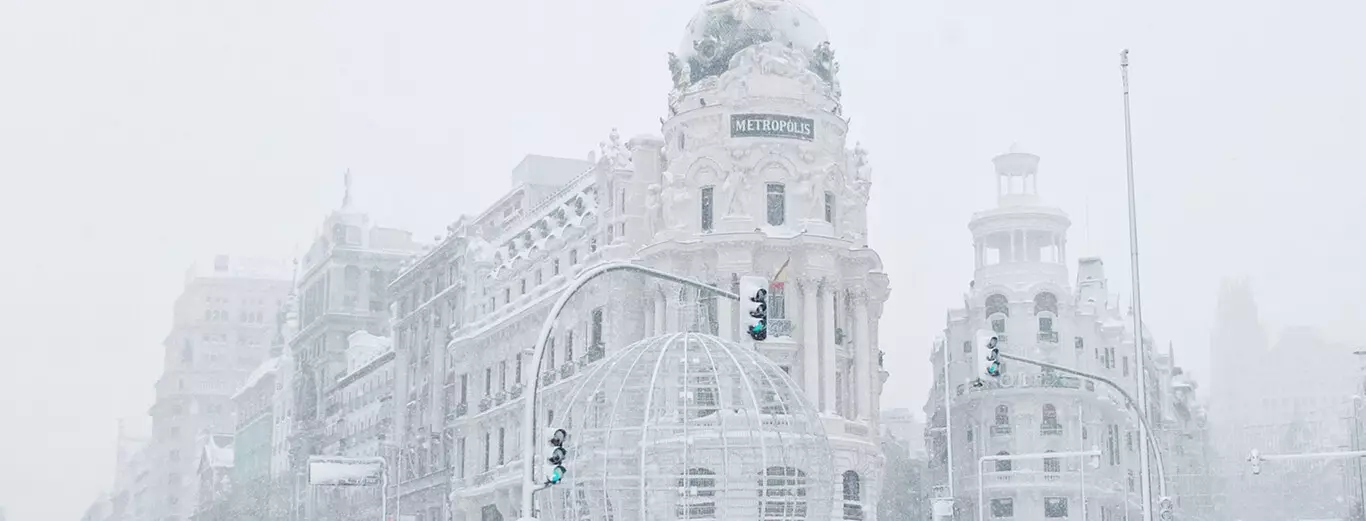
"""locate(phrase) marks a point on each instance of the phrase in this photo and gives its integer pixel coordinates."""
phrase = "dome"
(690, 426)
(722, 28)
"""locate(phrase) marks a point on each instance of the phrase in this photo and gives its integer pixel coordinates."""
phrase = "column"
(863, 356)
(828, 364)
(810, 342)
(661, 310)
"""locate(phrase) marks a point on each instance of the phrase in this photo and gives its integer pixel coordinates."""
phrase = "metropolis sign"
(772, 125)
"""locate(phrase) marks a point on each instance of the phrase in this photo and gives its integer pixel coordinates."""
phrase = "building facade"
(1189, 453)
(1021, 292)
(751, 174)
(1293, 397)
(222, 330)
(253, 443)
(342, 289)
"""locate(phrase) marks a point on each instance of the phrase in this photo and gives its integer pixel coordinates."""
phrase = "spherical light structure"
(689, 426)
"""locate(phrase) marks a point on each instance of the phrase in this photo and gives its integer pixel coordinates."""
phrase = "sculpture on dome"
(616, 155)
(823, 62)
(721, 30)
(679, 75)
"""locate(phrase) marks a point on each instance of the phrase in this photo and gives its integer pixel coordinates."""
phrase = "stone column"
(863, 356)
(828, 360)
(810, 341)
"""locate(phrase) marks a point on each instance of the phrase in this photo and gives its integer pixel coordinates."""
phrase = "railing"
(1050, 430)
(1000, 430)
(1050, 337)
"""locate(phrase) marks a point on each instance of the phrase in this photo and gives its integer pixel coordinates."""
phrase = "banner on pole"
(334, 471)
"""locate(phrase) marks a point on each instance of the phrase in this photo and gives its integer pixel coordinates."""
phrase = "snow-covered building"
(253, 442)
(214, 479)
(752, 173)
(342, 289)
(221, 331)
(903, 427)
(1294, 397)
(1189, 450)
(1020, 290)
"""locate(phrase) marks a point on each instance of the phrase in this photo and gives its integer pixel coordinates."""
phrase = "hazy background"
(136, 136)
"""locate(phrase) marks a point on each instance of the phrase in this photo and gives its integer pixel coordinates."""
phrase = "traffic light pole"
(533, 370)
(1129, 402)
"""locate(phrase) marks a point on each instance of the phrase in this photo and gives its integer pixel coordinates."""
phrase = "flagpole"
(1145, 463)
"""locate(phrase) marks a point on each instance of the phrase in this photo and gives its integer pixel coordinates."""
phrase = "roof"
(268, 367)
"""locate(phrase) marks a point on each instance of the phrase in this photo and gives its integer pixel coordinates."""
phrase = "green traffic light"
(557, 474)
(757, 327)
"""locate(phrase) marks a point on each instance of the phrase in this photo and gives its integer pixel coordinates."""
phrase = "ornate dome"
(723, 28)
(690, 426)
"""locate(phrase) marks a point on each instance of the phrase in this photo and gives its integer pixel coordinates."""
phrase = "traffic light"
(754, 300)
(1256, 459)
(558, 454)
(1164, 508)
(987, 346)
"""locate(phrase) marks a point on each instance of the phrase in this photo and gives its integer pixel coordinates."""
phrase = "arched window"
(1052, 464)
(1003, 465)
(1045, 310)
(1050, 424)
(1002, 423)
(997, 304)
(783, 494)
(698, 486)
(853, 502)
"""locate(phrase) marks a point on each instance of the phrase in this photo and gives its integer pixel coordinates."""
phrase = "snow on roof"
(267, 367)
(218, 451)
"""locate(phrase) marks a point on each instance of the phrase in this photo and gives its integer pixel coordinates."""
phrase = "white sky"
(138, 135)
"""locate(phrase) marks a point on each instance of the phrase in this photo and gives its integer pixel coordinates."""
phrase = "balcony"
(1050, 430)
(1048, 337)
(499, 398)
(1000, 430)
(485, 404)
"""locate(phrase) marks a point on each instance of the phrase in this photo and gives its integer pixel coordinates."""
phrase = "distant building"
(252, 443)
(221, 331)
(1189, 452)
(1294, 398)
(1020, 291)
(904, 428)
(214, 479)
(359, 413)
(342, 289)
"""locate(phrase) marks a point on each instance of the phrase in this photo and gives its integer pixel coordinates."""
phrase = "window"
(783, 490)
(507, 295)
(1003, 465)
(1003, 507)
(1002, 420)
(573, 257)
(853, 505)
(1054, 507)
(569, 347)
(517, 369)
(967, 347)
(488, 447)
(502, 436)
(707, 205)
(523, 286)
(464, 388)
(830, 207)
(1079, 343)
(699, 490)
(1129, 440)
(488, 381)
(554, 267)
(460, 457)
(503, 375)
(1126, 365)
(1050, 424)
(1052, 464)
(595, 334)
(540, 277)
(777, 204)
